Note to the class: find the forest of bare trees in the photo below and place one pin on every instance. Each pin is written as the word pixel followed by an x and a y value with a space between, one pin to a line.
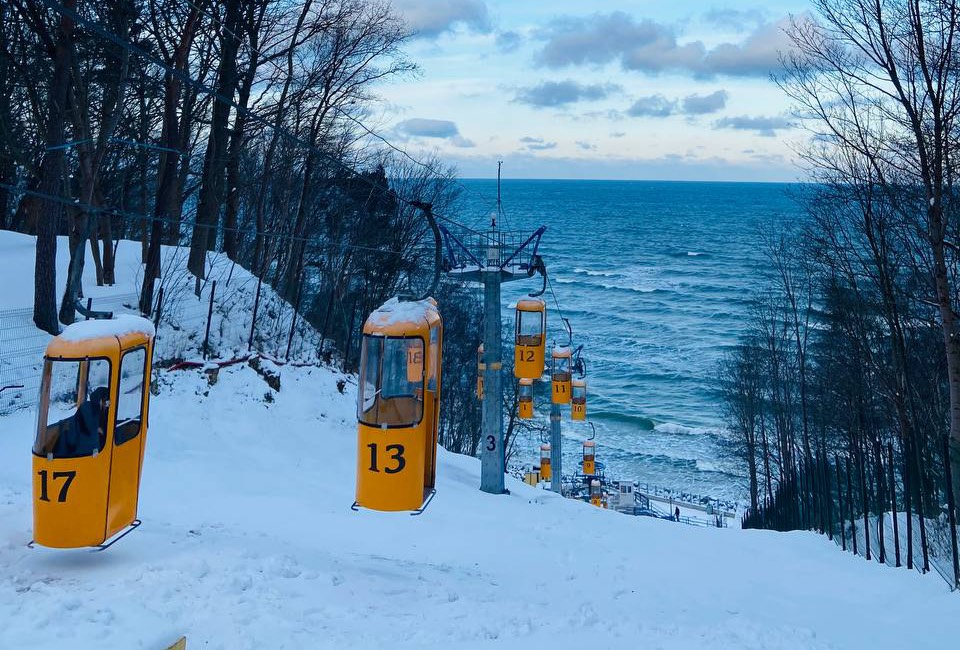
pixel 853 345
pixel 233 127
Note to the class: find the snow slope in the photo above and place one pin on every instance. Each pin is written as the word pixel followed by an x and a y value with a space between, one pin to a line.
pixel 248 541
pixel 184 314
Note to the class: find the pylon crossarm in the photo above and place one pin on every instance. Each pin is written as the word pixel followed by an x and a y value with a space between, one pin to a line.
pixel 535 239
pixel 454 243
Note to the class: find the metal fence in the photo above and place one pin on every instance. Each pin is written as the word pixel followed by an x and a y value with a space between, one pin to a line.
pixel 876 504
pixel 22 345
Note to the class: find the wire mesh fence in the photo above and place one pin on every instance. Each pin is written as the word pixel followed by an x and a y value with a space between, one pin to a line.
pixel 22 346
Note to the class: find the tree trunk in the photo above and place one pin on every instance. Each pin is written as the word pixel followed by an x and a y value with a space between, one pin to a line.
pixel 47 212
pixel 167 200
pixel 211 183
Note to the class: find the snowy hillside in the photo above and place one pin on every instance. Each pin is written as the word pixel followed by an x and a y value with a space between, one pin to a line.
pixel 248 541
pixel 184 314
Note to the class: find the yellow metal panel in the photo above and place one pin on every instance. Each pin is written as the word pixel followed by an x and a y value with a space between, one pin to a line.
pixel 528 361
pixel 545 473
pixel 525 410
pixel 181 644
pixel 578 412
pixel 70 500
pixel 390 467
pixel 560 391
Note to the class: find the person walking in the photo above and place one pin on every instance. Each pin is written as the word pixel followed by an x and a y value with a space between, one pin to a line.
pixel 676 513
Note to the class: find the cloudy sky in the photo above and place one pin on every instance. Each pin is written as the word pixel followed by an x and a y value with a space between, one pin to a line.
pixel 635 89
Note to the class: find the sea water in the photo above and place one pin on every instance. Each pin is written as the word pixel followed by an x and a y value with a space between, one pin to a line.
pixel 656 280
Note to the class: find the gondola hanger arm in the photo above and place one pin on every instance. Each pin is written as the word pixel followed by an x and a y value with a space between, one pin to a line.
pixel 538 266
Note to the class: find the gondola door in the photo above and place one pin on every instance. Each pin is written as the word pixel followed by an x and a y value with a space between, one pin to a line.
pixel 129 412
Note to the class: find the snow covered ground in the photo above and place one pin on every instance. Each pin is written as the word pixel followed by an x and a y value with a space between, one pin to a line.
pixel 248 541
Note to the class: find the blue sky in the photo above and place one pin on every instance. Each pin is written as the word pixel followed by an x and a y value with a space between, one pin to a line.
pixel 641 89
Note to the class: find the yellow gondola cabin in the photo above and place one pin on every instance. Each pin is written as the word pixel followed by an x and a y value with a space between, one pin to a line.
pixel 545 474
pixel 531 339
pixel 525 399
pixel 589 457
pixel 578 399
pixel 91 431
pixel 596 493
pixel 398 406
pixel 561 375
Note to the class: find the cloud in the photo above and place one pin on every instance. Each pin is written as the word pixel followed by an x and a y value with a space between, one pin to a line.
pixel 735 19
pixel 560 93
pixel 419 127
pixel 647 46
pixel 423 128
pixel 765 126
pixel 758 55
pixel 430 18
pixel 618 134
pixel 586 146
pixel 703 104
pixel 462 142
pixel 509 41
pixel 537 144
pixel 652 106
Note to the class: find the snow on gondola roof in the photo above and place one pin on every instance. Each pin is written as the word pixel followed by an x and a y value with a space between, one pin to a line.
pixel 118 326
pixel 396 312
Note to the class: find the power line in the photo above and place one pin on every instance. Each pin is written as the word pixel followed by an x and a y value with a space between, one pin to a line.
pixel 559 310
pixel 131 216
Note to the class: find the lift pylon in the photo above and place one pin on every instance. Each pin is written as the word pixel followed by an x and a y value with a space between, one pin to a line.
pixel 491 258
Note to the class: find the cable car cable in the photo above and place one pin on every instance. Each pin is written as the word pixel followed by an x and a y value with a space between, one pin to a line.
pixel 131 216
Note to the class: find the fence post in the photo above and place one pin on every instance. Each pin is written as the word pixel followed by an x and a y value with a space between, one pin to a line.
pixel 843 525
pixel 920 512
pixel 256 306
pixel 864 500
pixel 827 494
pixel 908 503
pixel 157 312
pixel 951 512
pixel 296 310
pixel 206 336
pixel 853 521
pixel 880 502
pixel 893 503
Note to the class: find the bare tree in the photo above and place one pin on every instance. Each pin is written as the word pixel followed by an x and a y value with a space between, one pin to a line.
pixel 880 78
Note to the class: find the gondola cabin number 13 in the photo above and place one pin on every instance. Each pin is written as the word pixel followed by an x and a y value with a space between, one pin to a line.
pixel 398 405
